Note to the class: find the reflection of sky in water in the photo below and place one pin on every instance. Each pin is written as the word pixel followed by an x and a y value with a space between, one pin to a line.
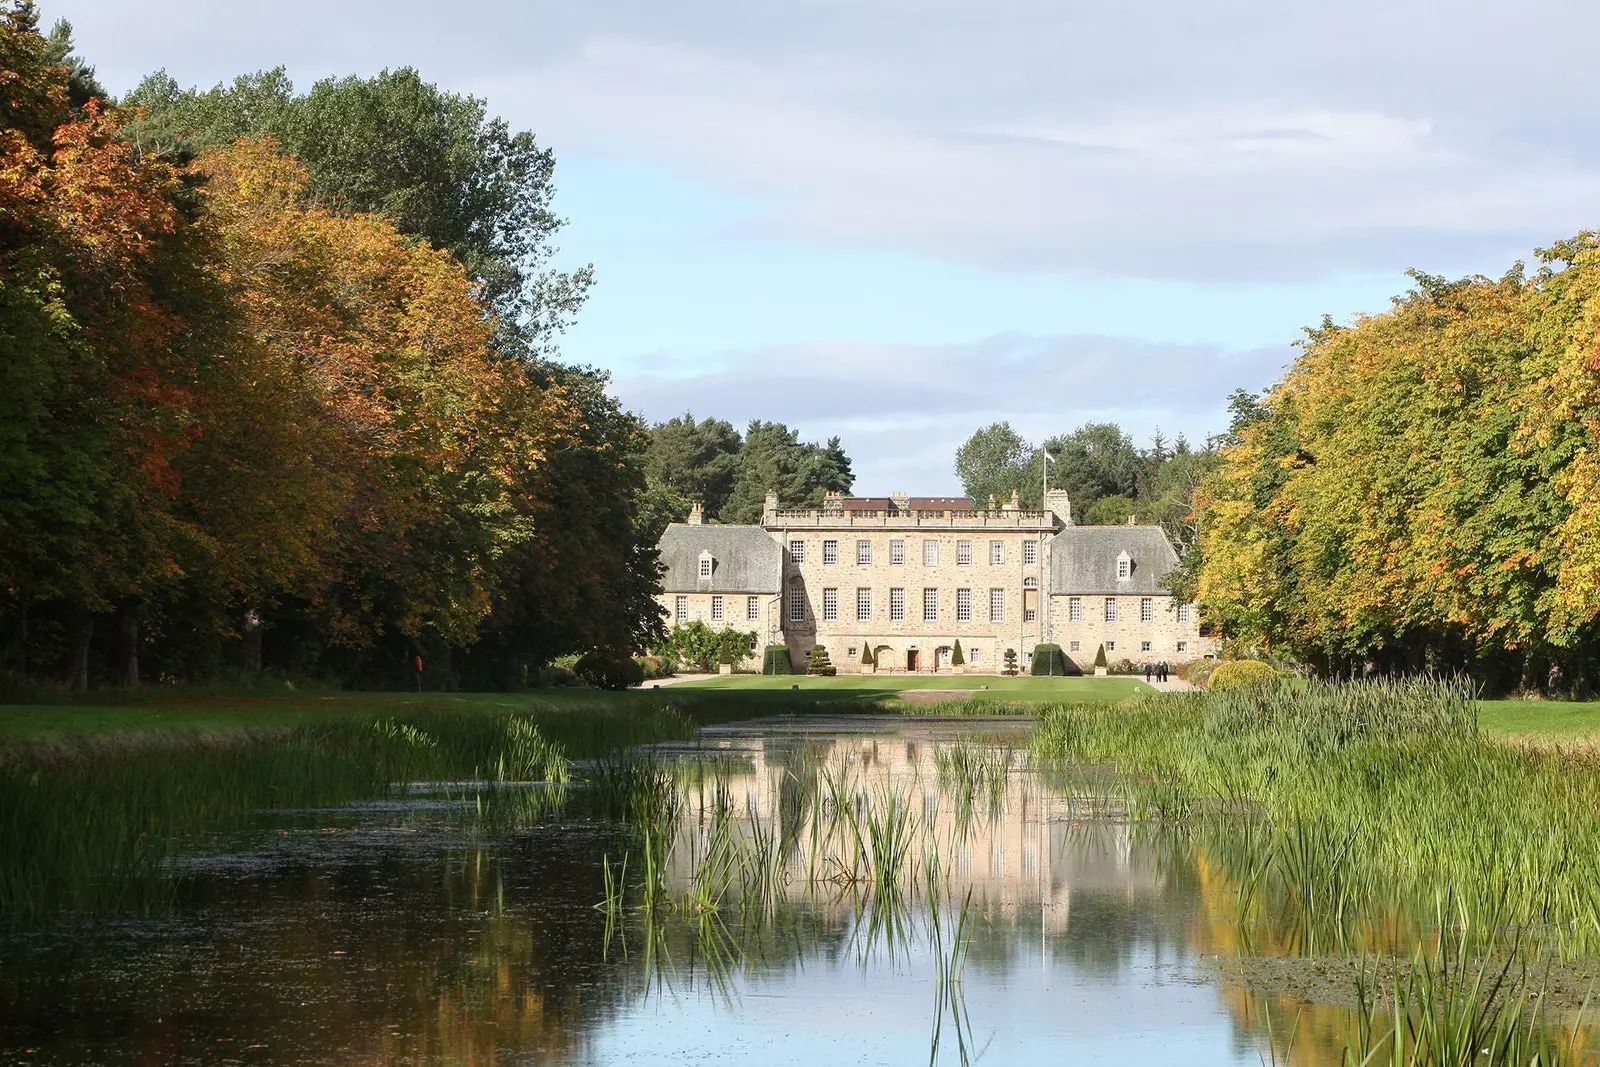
pixel 1155 1011
pixel 403 937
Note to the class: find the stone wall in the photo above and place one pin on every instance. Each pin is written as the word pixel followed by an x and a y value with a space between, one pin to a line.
pixel 1169 640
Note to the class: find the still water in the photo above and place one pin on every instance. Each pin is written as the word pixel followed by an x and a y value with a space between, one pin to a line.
pixel 1029 925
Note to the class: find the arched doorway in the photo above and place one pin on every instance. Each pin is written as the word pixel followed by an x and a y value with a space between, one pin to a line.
pixel 883 656
pixel 941 658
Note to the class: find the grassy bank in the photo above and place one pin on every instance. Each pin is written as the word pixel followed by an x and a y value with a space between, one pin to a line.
pixel 1355 816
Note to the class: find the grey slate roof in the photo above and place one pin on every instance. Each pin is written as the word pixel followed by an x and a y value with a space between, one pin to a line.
pixel 1083 559
pixel 748 560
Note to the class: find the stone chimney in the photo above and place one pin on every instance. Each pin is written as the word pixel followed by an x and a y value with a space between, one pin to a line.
pixel 833 502
pixel 1058 504
pixel 901 500
pixel 697 514
pixel 769 510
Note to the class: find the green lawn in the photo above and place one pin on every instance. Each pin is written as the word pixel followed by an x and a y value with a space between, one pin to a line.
pixel 1544 718
pixel 715 699
pixel 1021 688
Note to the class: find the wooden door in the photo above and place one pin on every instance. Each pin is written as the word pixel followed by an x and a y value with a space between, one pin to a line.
pixel 912 661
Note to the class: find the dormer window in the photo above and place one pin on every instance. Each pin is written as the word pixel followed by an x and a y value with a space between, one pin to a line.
pixel 1124 567
pixel 707 561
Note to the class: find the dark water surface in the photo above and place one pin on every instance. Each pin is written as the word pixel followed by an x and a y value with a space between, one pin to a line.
pixel 420 932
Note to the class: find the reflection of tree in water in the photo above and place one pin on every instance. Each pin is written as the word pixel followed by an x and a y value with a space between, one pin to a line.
pixel 461 956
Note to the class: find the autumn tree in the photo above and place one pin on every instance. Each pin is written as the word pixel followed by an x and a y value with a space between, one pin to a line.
pixel 1416 493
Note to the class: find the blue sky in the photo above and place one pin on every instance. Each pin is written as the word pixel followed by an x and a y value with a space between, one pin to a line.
pixel 898 222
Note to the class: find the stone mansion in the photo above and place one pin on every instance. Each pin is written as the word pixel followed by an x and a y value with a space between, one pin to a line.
pixel 907 577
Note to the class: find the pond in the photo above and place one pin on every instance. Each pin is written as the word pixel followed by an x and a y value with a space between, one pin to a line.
pixel 874 891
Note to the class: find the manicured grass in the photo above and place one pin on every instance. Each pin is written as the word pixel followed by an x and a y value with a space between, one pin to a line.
pixel 981 686
pixel 1555 719
pixel 151 711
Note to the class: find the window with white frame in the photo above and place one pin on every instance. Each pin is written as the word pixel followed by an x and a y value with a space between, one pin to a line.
pixel 930 605
pixel 1074 609
pixel 1073 646
pixel 830 605
pixel 897 552
pixel 1029 611
pixel 1185 612
pixel 752 608
pixel 974 656
pixel 830 552
pixel 706 563
pixel 680 608
pixel 864 553
pixel 1183 646
pixel 997 605
pixel 997 553
pixel 797 551
pixel 716 609
pixel 897 605
pixel 1144 646
pixel 963 605
pixel 963 553
pixel 930 553
pixel 1147 610
pixel 1111 646
pixel 797 604
pixel 851 651
pixel 1124 567
pixel 863 604
pixel 1111 609
pixel 1030 553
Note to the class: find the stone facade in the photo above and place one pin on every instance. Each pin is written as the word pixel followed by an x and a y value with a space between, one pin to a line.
pixel 910 581
pixel 909 577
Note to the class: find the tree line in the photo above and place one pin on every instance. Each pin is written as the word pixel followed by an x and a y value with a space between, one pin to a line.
pixel 278 387
pixel 1108 477
pixel 729 474
pixel 1421 491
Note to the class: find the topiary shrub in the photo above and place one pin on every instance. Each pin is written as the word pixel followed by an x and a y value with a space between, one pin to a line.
pixel 607 669
pixel 867 659
pixel 818 662
pixel 1236 673
pixel 776 660
pixel 1010 668
pixel 956 657
pixel 1100 658
pixel 1048 661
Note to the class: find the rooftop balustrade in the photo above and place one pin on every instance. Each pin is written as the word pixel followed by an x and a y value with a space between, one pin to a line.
pixel 997 519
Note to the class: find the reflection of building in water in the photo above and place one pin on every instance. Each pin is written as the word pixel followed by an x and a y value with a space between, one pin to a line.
pixel 995 828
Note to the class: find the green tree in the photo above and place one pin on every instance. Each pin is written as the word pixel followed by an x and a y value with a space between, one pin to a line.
pixel 433 161
pixel 773 458
pixel 694 461
pixel 996 461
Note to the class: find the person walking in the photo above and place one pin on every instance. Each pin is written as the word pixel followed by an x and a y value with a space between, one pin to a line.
pixel 1147 670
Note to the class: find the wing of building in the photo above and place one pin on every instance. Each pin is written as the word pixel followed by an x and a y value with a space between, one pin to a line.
pixel 893 584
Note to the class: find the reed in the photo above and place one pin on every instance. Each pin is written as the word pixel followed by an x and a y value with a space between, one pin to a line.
pixel 98 829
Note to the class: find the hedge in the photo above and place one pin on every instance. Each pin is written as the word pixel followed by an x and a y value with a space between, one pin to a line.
pixel 776 660
pixel 1048 660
